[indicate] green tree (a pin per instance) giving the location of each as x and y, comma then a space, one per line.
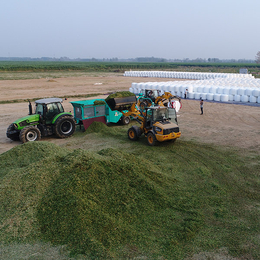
257, 57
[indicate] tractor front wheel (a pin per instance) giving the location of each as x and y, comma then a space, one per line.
12, 133
29, 134
64, 126
151, 139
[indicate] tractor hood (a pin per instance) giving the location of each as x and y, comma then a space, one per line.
27, 120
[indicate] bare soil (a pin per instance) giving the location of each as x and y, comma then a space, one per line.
229, 125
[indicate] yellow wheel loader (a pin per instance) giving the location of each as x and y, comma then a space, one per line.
158, 124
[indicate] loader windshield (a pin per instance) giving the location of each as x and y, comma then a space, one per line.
160, 114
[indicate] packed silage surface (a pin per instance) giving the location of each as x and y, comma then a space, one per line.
169, 201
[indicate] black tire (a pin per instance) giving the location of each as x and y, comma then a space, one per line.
151, 139
64, 126
133, 133
125, 120
30, 134
12, 133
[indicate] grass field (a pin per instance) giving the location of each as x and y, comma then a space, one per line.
116, 199
39, 69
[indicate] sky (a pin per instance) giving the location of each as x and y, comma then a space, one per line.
170, 29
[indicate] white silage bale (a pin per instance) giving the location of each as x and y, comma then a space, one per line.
220, 90
244, 98
213, 90
190, 88
258, 99
204, 96
230, 97
256, 92
210, 96
200, 89
248, 92
237, 98
197, 95
191, 95
206, 89
241, 91
131, 90
252, 99
224, 98
233, 91
216, 97
226, 90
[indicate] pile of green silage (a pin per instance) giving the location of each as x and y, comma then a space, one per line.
120, 94
117, 204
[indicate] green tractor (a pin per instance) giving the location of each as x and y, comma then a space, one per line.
49, 118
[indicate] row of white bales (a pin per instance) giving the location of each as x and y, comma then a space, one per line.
222, 87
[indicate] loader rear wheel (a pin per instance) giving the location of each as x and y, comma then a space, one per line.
64, 126
151, 139
30, 134
133, 133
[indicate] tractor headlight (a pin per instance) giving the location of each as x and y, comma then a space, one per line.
15, 125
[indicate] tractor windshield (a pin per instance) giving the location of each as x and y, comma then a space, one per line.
172, 115
39, 109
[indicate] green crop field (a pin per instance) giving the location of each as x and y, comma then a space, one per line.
102, 196
36, 68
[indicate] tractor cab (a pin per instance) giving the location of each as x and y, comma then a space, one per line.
48, 108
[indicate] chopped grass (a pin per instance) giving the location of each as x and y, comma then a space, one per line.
163, 202
120, 94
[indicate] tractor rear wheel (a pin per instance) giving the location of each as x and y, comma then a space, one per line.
134, 133
64, 126
30, 134
151, 139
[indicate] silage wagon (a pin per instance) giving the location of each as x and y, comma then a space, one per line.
113, 110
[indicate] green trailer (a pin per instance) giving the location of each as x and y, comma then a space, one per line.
88, 111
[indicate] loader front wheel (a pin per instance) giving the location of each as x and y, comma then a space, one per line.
133, 133
151, 139
30, 134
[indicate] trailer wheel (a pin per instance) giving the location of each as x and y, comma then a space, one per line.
133, 133
64, 126
30, 134
125, 120
151, 139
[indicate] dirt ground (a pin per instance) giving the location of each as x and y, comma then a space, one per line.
229, 125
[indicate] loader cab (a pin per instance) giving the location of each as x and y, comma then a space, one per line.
48, 108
